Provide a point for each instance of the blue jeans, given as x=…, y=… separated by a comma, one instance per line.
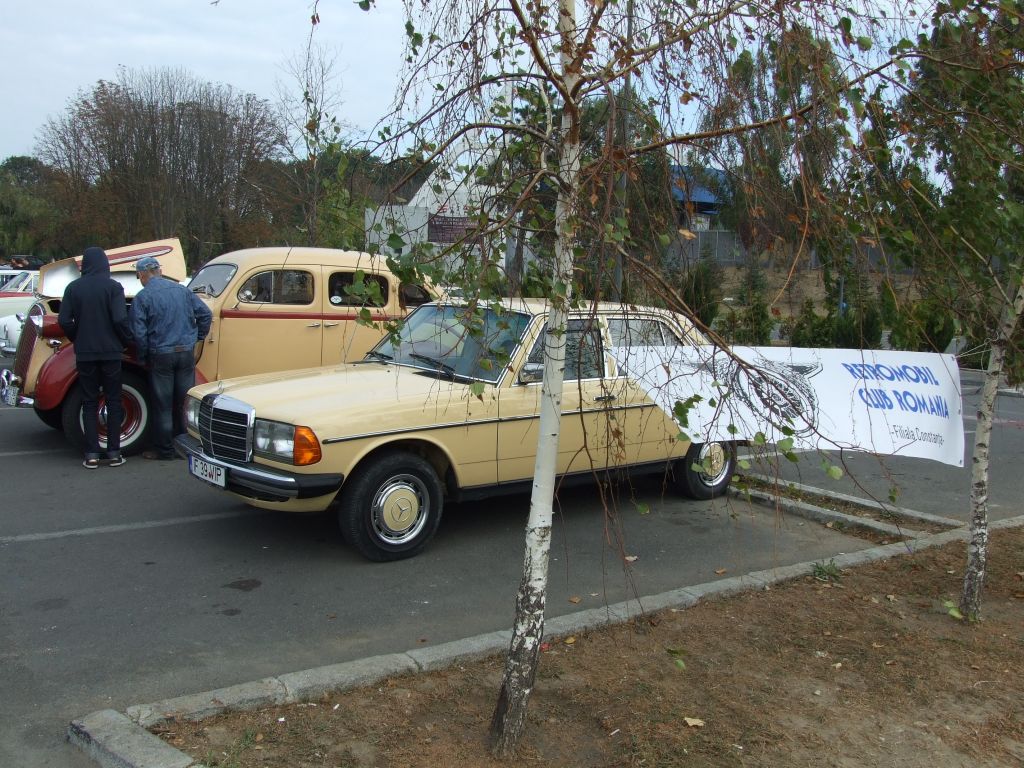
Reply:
x=171, y=376
x=92, y=376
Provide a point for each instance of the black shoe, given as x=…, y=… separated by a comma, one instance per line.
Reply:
x=115, y=461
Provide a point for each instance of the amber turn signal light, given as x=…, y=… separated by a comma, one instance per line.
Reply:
x=306, y=448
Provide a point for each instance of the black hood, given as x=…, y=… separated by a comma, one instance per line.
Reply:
x=95, y=262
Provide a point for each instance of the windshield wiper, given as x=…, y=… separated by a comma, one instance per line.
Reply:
x=379, y=355
x=439, y=365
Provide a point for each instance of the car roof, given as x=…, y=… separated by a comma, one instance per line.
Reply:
x=538, y=306
x=272, y=256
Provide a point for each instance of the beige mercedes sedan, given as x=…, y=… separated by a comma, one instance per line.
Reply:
x=446, y=409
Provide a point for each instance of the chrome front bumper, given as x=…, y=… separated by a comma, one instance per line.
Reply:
x=259, y=482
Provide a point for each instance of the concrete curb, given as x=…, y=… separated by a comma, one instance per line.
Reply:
x=821, y=515
x=116, y=740
x=881, y=506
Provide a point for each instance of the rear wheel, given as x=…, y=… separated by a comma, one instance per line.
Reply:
x=391, y=507
x=134, y=425
x=706, y=470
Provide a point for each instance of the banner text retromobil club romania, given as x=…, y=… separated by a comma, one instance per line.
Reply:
x=884, y=402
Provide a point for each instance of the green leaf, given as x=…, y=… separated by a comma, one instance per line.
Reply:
x=477, y=390
x=759, y=439
x=395, y=242
x=952, y=610
x=835, y=472
x=785, y=444
x=680, y=664
x=643, y=508
x=864, y=43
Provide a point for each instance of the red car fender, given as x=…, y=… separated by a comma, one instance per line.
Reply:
x=58, y=374
x=55, y=378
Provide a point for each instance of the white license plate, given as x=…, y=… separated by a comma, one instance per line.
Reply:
x=11, y=396
x=204, y=470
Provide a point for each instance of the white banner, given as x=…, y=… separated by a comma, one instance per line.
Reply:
x=884, y=402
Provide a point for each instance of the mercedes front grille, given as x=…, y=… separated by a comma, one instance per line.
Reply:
x=225, y=428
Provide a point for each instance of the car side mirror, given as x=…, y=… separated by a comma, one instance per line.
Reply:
x=531, y=373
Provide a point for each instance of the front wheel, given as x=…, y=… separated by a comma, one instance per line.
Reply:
x=706, y=470
x=391, y=507
x=53, y=417
x=134, y=425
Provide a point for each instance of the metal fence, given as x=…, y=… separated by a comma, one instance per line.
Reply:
x=722, y=246
x=726, y=248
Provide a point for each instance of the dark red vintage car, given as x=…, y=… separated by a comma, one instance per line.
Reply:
x=44, y=375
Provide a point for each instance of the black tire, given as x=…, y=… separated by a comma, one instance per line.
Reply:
x=706, y=470
x=53, y=418
x=391, y=506
x=137, y=416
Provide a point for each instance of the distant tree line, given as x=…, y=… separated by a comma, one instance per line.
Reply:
x=158, y=153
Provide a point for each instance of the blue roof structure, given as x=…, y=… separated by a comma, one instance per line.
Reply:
x=686, y=188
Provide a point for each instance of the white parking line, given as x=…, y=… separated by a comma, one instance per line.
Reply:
x=126, y=527
x=26, y=453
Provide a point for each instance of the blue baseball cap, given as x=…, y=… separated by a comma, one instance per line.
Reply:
x=146, y=263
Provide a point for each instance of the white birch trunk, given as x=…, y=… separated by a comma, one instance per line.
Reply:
x=528, y=631
x=977, y=545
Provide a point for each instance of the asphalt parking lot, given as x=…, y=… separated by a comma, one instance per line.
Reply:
x=136, y=584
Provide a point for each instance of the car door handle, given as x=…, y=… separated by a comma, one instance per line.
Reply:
x=604, y=398
x=313, y=325
x=330, y=325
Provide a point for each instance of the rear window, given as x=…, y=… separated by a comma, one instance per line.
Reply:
x=357, y=289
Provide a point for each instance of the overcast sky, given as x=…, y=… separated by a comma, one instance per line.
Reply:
x=52, y=49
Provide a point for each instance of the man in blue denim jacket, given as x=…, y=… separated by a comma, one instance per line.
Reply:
x=167, y=320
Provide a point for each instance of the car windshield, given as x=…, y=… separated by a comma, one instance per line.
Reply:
x=212, y=279
x=454, y=342
x=22, y=282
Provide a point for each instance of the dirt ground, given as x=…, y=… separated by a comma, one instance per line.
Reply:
x=859, y=668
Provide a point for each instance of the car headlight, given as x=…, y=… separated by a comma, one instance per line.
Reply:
x=192, y=413
x=285, y=442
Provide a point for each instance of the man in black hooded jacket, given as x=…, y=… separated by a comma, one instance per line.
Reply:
x=94, y=316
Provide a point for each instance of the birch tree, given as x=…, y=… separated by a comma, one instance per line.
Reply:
x=942, y=189
x=470, y=65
